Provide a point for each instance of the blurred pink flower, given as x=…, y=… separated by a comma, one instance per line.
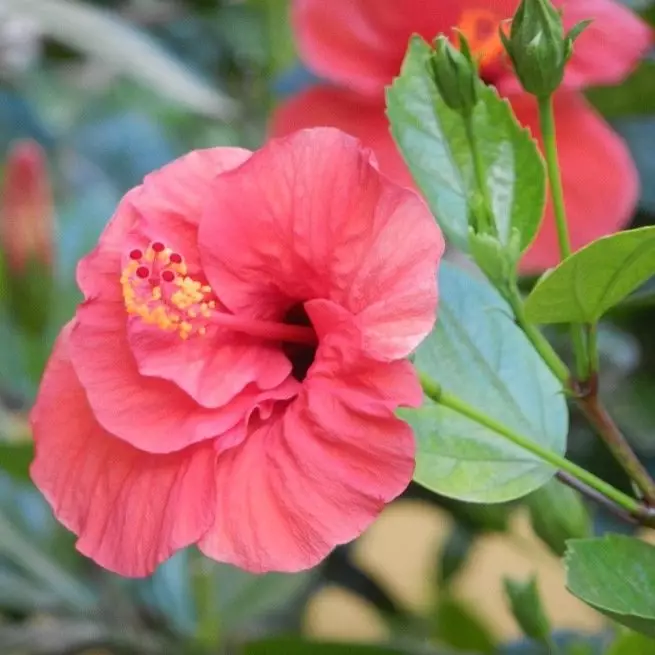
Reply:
x=231, y=377
x=26, y=208
x=359, y=46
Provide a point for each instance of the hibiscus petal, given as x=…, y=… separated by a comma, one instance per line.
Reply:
x=354, y=114
x=130, y=510
x=361, y=43
x=599, y=178
x=212, y=369
x=172, y=198
x=610, y=48
x=98, y=274
x=151, y=414
x=317, y=475
x=170, y=204
x=309, y=216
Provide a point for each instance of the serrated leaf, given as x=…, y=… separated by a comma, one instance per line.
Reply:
x=478, y=353
x=594, y=279
x=432, y=140
x=101, y=34
x=616, y=576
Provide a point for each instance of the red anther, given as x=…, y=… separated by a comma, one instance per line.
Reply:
x=136, y=254
x=168, y=276
x=158, y=246
x=175, y=258
x=143, y=272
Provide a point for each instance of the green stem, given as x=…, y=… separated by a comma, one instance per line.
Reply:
x=485, y=213
x=547, y=120
x=434, y=391
x=540, y=343
x=592, y=346
x=613, y=438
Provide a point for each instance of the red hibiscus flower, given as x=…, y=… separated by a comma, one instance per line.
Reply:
x=231, y=377
x=359, y=46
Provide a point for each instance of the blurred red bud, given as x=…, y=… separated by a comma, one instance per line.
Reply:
x=26, y=208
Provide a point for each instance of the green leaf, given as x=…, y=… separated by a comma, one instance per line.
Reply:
x=459, y=627
x=527, y=609
x=616, y=576
x=36, y=564
x=454, y=554
x=293, y=646
x=557, y=514
x=631, y=643
x=432, y=139
x=15, y=459
x=104, y=36
x=585, y=285
x=477, y=353
x=243, y=596
x=633, y=97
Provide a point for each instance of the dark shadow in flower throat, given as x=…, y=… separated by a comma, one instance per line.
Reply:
x=300, y=355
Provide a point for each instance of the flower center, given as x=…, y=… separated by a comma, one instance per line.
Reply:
x=301, y=355
x=158, y=290
x=480, y=27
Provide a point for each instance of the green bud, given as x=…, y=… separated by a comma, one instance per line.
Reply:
x=557, y=513
x=538, y=47
x=455, y=74
x=527, y=609
x=497, y=260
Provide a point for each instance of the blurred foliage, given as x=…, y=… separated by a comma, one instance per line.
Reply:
x=114, y=89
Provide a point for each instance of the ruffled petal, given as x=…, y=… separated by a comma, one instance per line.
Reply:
x=318, y=473
x=309, y=216
x=213, y=369
x=130, y=510
x=361, y=43
x=151, y=414
x=98, y=274
x=166, y=208
x=364, y=118
x=173, y=198
x=601, y=185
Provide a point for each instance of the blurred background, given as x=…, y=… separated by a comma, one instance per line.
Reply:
x=95, y=94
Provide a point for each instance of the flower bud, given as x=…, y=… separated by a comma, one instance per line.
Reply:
x=26, y=207
x=538, y=47
x=557, y=513
x=455, y=74
x=26, y=234
x=497, y=260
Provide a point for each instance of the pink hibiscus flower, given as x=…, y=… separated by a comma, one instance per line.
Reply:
x=359, y=45
x=231, y=377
